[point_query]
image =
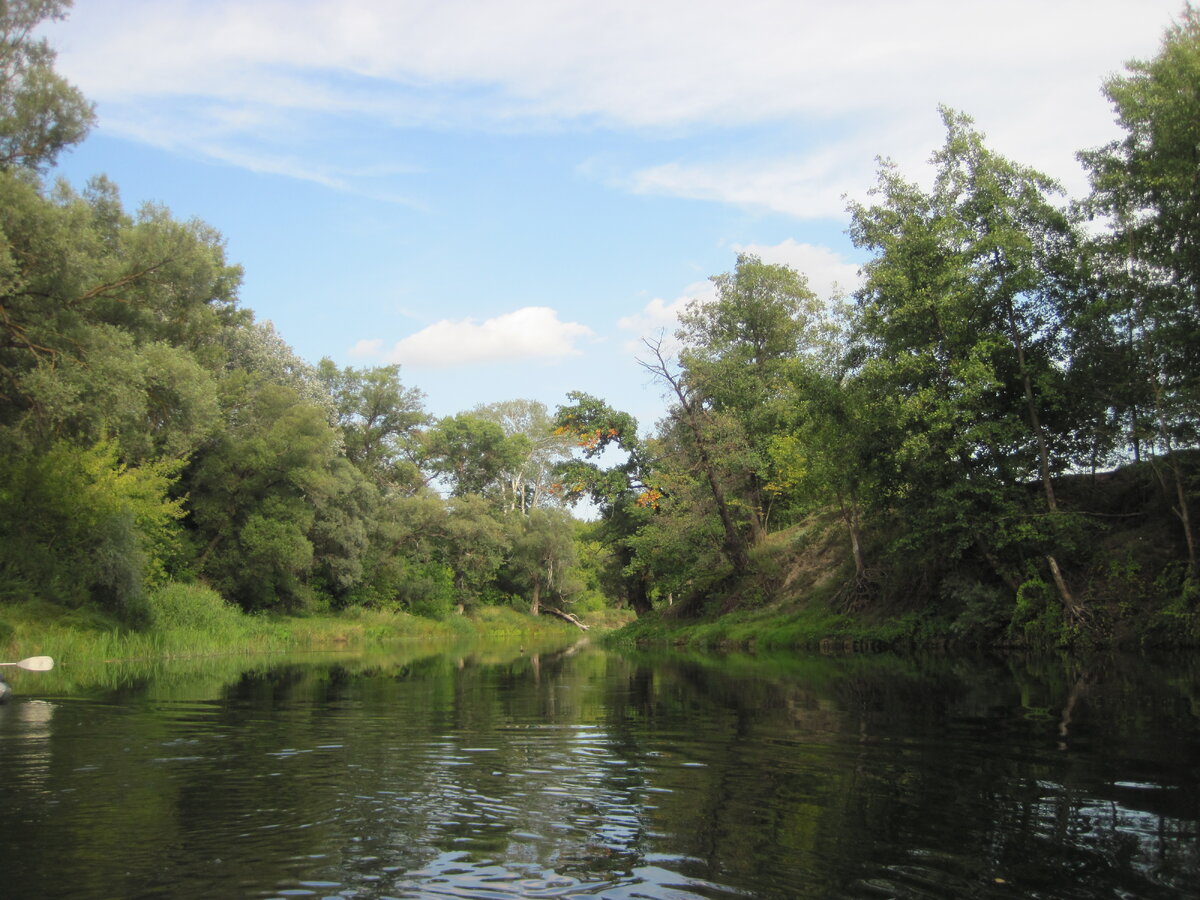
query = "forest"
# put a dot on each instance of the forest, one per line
(997, 433)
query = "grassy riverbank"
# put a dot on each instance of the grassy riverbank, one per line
(1127, 575)
(185, 621)
(773, 629)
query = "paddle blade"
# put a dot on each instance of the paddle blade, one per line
(37, 664)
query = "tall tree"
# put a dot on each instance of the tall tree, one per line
(962, 316)
(543, 553)
(471, 454)
(41, 113)
(623, 493)
(379, 417)
(529, 483)
(736, 353)
(1147, 184)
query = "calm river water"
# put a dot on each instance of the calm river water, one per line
(501, 773)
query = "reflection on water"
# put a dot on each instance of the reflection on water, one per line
(583, 773)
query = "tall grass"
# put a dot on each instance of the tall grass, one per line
(189, 620)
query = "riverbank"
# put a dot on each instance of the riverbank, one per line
(812, 628)
(185, 621)
(1126, 570)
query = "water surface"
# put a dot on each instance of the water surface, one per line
(585, 773)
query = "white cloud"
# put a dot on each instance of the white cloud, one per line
(367, 349)
(533, 332)
(1029, 70)
(659, 318)
(809, 187)
(827, 270)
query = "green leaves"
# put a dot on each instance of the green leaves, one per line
(76, 523)
(41, 114)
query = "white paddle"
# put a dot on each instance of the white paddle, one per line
(34, 664)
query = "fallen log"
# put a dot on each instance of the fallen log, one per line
(566, 616)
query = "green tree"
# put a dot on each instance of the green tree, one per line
(258, 491)
(736, 354)
(1145, 184)
(109, 325)
(78, 525)
(622, 493)
(529, 483)
(41, 114)
(543, 555)
(471, 454)
(961, 319)
(477, 544)
(379, 417)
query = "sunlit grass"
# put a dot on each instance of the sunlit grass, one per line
(193, 622)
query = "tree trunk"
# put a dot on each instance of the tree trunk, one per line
(1039, 435)
(734, 545)
(1181, 498)
(850, 517)
(535, 599)
(639, 596)
(565, 616)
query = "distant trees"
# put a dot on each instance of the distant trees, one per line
(996, 344)
(151, 430)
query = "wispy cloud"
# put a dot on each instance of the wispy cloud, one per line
(809, 187)
(1029, 70)
(530, 333)
(828, 271)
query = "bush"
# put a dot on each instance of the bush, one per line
(429, 591)
(193, 607)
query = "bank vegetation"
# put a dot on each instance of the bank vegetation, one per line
(991, 440)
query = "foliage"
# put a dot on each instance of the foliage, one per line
(76, 524)
(163, 454)
(471, 453)
(41, 113)
(191, 607)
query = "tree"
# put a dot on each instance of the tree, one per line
(830, 450)
(705, 452)
(471, 453)
(76, 524)
(529, 482)
(41, 114)
(961, 319)
(477, 543)
(623, 492)
(379, 417)
(110, 325)
(736, 352)
(543, 553)
(1146, 185)
(258, 491)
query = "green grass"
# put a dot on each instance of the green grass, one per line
(191, 621)
(811, 627)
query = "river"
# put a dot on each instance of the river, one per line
(501, 772)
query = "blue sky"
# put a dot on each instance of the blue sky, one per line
(504, 197)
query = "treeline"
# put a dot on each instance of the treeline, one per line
(151, 431)
(1004, 339)
(1006, 342)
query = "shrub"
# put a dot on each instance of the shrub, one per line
(193, 607)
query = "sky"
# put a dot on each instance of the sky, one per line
(507, 196)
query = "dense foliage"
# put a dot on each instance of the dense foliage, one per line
(959, 416)
(1005, 344)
